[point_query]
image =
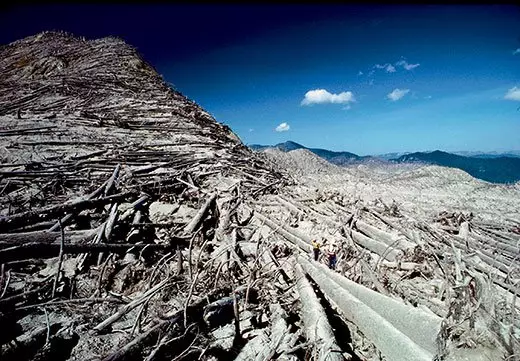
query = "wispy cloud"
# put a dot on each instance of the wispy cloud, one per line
(406, 65)
(513, 94)
(388, 67)
(517, 51)
(283, 127)
(347, 107)
(428, 97)
(322, 96)
(251, 130)
(360, 73)
(397, 94)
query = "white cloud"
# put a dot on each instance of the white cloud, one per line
(347, 107)
(517, 51)
(283, 127)
(406, 65)
(428, 97)
(321, 96)
(388, 67)
(251, 130)
(397, 94)
(360, 73)
(513, 94)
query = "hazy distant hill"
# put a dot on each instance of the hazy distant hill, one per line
(338, 158)
(496, 170)
(511, 153)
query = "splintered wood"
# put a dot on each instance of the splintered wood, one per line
(133, 226)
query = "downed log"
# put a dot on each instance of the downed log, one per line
(405, 266)
(317, 328)
(47, 237)
(383, 236)
(303, 243)
(392, 343)
(193, 311)
(377, 247)
(53, 212)
(281, 338)
(422, 327)
(194, 223)
(27, 345)
(68, 216)
(50, 250)
(130, 306)
(302, 208)
(257, 347)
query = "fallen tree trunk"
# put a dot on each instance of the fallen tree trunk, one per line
(53, 212)
(193, 312)
(383, 236)
(50, 250)
(377, 247)
(257, 347)
(304, 244)
(46, 237)
(420, 326)
(192, 226)
(303, 208)
(392, 343)
(317, 328)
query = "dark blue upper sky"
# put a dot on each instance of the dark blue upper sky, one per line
(369, 79)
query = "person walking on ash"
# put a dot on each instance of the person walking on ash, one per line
(331, 253)
(316, 249)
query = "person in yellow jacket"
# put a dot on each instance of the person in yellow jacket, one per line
(316, 248)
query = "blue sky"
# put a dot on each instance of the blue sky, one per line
(368, 80)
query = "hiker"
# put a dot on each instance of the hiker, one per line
(316, 249)
(331, 253)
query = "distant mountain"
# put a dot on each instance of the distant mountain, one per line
(338, 158)
(511, 153)
(491, 169)
(388, 156)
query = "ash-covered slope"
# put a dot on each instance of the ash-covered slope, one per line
(110, 182)
(72, 109)
(98, 83)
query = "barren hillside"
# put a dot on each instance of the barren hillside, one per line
(133, 226)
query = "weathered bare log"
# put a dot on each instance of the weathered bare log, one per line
(377, 247)
(53, 212)
(130, 306)
(317, 328)
(46, 237)
(383, 236)
(194, 223)
(112, 180)
(393, 344)
(297, 239)
(193, 311)
(50, 250)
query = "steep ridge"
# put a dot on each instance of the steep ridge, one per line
(80, 107)
(106, 174)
